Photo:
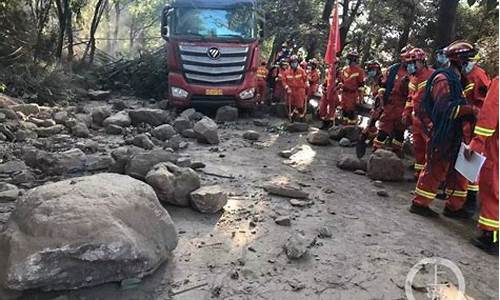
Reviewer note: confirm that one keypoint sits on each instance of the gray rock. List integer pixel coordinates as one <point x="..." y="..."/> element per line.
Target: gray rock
<point x="283" y="221"/>
<point x="99" y="163"/>
<point x="351" y="132"/>
<point x="189" y="133"/>
<point x="80" y="130"/>
<point x="23" y="135"/>
<point x="184" y="162"/>
<point x="85" y="232"/>
<point x="345" y="142"/>
<point x="26" y="109"/>
<point x="181" y="124"/>
<point x="296" y="246"/>
<point x="114" y="129"/>
<point x="121" y="119"/>
<point x="143" y="141"/>
<point x="360" y="172"/>
<point x="164" y="132"/>
<point x="42" y="122"/>
<point x="8" y="192"/>
<point x="122" y="156"/>
<point x="67" y="162"/>
<point x="208" y="199"/>
<point x="49" y="131"/>
<point x="173" y="184"/>
<point x="188" y="114"/>
<point x="261" y="122"/>
<point x="141" y="163"/>
<point x="153" y="117"/>
<point x="88" y="146"/>
<point x="286" y="153"/>
<point x="382" y="193"/>
<point x="176" y="142"/>
<point x="319" y="138"/>
<point x="3" y="117"/>
<point x="98" y="95"/>
<point x="298" y="203"/>
<point x="9" y="113"/>
<point x="84" y="118"/>
<point x="325" y="232"/>
<point x="251" y="135"/>
<point x="285" y="190"/>
<point x="386" y="166"/>
<point x="99" y="114"/>
<point x="207" y="131"/>
<point x="226" y="114"/>
<point x="351" y="163"/>
<point x="16" y="172"/>
<point x="298" y="127"/>
<point x="60" y="117"/>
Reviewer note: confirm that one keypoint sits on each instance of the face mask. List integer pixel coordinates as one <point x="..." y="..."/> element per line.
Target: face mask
<point x="411" y="68"/>
<point x="442" y="59"/>
<point x="468" y="67"/>
<point x="294" y="65"/>
<point x="372" y="73"/>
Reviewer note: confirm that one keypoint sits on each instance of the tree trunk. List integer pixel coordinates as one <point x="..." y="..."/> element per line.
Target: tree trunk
<point x="409" y="20"/>
<point x="131" y="34"/>
<point x="98" y="12"/>
<point x="117" y="28"/>
<point x="42" y="21"/>
<point x="62" y="25"/>
<point x="69" y="31"/>
<point x="446" y="22"/>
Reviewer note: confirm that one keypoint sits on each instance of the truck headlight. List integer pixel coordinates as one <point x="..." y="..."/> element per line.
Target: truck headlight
<point x="247" y="94"/>
<point x="179" y="93"/>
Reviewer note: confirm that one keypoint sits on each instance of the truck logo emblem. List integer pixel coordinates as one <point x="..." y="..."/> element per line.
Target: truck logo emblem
<point x="214" y="53"/>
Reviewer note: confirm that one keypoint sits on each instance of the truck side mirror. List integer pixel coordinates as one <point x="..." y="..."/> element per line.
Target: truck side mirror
<point x="165" y="17"/>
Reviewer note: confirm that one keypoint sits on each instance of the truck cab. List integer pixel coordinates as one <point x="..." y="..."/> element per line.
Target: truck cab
<point x="212" y="52"/>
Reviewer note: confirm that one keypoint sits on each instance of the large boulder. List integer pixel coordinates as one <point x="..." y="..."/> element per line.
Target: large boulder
<point x="164" y="132"/>
<point x="226" y="114"/>
<point x="182" y="123"/>
<point x="208" y="199"/>
<point x="141" y="163"/>
<point x="153" y="117"/>
<point x="99" y="114"/>
<point x="319" y="138"/>
<point x="71" y="161"/>
<point x="8" y="192"/>
<point x="122" y="156"/>
<point x="207" y="131"/>
<point x="351" y="163"/>
<point x="85" y="232"/>
<point x="80" y="130"/>
<point x="297" y="127"/>
<point x="351" y="132"/>
<point x="121" y="119"/>
<point x="16" y="172"/>
<point x="173" y="184"/>
<point x="386" y="166"/>
<point x="143" y="141"/>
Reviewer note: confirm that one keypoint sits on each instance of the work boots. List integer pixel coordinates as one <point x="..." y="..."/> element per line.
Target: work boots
<point x="423" y="211"/>
<point x="457" y="214"/>
<point x="325" y="125"/>
<point x="487" y="241"/>
<point x="470" y="205"/>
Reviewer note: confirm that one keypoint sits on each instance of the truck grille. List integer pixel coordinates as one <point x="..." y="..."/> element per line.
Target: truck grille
<point x="227" y="68"/>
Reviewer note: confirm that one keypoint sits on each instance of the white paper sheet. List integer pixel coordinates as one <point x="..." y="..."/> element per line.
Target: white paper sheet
<point x="470" y="169"/>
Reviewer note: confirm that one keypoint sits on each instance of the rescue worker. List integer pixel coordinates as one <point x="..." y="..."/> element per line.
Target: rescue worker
<point x="395" y="94"/>
<point x="352" y="79"/>
<point x="444" y="110"/>
<point x="329" y="100"/>
<point x="486" y="141"/>
<point x="419" y="73"/>
<point x="374" y="79"/>
<point x="313" y="76"/>
<point x="475" y="92"/>
<point x="279" y="88"/>
<point x="262" y="74"/>
<point x="284" y="53"/>
<point x="295" y="83"/>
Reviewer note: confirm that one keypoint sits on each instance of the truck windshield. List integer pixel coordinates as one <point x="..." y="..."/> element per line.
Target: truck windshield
<point x="235" y="22"/>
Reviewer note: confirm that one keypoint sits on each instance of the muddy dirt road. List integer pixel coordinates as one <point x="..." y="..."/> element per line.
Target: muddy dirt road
<point x="239" y="254"/>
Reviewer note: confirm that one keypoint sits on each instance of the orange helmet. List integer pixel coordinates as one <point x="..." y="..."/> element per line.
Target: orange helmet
<point x="372" y="64"/>
<point x="460" y="51"/>
<point x="403" y="55"/>
<point x="416" y="54"/>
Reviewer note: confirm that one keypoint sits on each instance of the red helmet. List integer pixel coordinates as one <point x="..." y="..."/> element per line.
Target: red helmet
<point x="353" y="54"/>
<point x="372" y="64"/>
<point x="460" y="51"/>
<point x="416" y="54"/>
<point x="403" y="55"/>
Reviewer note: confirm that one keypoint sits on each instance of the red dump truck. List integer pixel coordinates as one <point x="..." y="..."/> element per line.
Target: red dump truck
<point x="212" y="52"/>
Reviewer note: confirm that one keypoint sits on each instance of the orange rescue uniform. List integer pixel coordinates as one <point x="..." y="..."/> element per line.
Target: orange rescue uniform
<point x="313" y="76"/>
<point x="352" y="78"/>
<point x="486" y="141"/>
<point x="296" y="84"/>
<point x="262" y="73"/>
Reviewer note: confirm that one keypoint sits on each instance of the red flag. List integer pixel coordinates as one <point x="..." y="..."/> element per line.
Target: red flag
<point x="331" y="56"/>
<point x="334" y="37"/>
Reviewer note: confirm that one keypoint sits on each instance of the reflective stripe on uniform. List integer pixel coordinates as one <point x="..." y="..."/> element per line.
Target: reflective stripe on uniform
<point x="483" y="131"/>
<point x="354" y="75"/>
<point x="455" y="193"/>
<point x="495" y="236"/>
<point x="473" y="188"/>
<point x="412" y="87"/>
<point x="455" y="112"/>
<point x="469" y="87"/>
<point x="425" y="194"/>
<point x="422" y="85"/>
<point x="397" y="143"/>
<point x="488" y="222"/>
<point x="419" y="167"/>
<point x="381" y="90"/>
<point x="408" y="104"/>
